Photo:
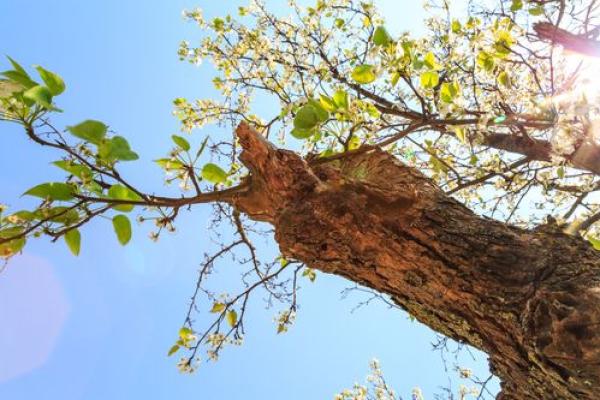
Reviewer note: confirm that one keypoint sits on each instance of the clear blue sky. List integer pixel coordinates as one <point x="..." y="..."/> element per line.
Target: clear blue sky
<point x="99" y="326"/>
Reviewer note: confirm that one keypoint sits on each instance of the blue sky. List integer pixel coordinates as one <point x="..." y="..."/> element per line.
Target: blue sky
<point x="99" y="326"/>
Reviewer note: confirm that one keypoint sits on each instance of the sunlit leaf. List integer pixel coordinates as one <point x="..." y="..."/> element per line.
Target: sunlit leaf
<point x="120" y="192"/>
<point x="91" y="131"/>
<point x="381" y="37"/>
<point x="122" y="227"/>
<point x="52" y="191"/>
<point x="214" y="174"/>
<point x="181" y="142"/>
<point x="53" y="82"/>
<point x="73" y="240"/>
<point x="364" y="74"/>
<point x="232" y="317"/>
<point x="429" y="79"/>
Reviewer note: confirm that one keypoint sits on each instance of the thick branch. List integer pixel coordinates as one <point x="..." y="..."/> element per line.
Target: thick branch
<point x="530" y="299"/>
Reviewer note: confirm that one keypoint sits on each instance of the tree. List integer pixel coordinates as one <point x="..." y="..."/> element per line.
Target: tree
<point x="455" y="173"/>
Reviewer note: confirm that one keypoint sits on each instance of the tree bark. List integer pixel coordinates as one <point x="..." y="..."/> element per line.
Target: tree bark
<point x="530" y="299"/>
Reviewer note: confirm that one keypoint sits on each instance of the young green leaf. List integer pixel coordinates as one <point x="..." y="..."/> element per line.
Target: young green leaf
<point x="213" y="173"/>
<point x="116" y="148"/>
<point x="17" y="66"/>
<point x="306" y="117"/>
<point x="73" y="240"/>
<point x="185" y="334"/>
<point x="174" y="349"/>
<point x="181" y="142"/>
<point x="381" y="37"/>
<point x="40" y="95"/>
<point x="430" y="61"/>
<point x="232" y="318"/>
<point x="217" y="307"/>
<point x="120" y="192"/>
<point x="364" y="74"/>
<point x="90" y="130"/>
<point x="122" y="227"/>
<point x="202" y="147"/>
<point x="80" y="171"/>
<point x="504" y="79"/>
<point x="429" y="79"/>
<point x="449" y="91"/>
<point x="302" y="134"/>
<point x="340" y="97"/>
<point x="322" y="113"/>
<point x="595" y="242"/>
<point x="11" y="247"/>
<point x="327" y="103"/>
<point x="53" y="82"/>
<point x="52" y="191"/>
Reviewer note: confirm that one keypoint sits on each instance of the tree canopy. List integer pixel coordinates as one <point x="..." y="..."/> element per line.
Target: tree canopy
<point x="495" y="105"/>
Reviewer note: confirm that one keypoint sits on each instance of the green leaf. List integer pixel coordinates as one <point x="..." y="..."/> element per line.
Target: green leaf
<point x="395" y="78"/>
<point x="40" y="95"/>
<point x="120" y="192"/>
<point x="310" y="274"/>
<point x="53" y="82"/>
<point x="485" y="61"/>
<point x="73" y="240"/>
<point x="560" y="172"/>
<point x="52" y="191"/>
<point x="80" y="171"/>
<point x="449" y="91"/>
<point x="536" y="11"/>
<point x="327" y="103"/>
<point x="516" y="5"/>
<point x="62" y="215"/>
<point x="17" y="66"/>
<point x="504" y="79"/>
<point x="169" y="164"/>
<point x="185" y="334"/>
<point x="430" y="61"/>
<point x="322" y="113"/>
<point x="202" y="147"/>
<point x="217" y="307"/>
<point x="116" y="148"/>
<point x="19" y="78"/>
<point x="214" y="174"/>
<point x="381" y="37"/>
<point x="181" y="142"/>
<point x="340" y="97"/>
<point x="302" y="134"/>
<point x="122" y="227"/>
<point x="14" y="246"/>
<point x="364" y="74"/>
<point x="461" y="134"/>
<point x="90" y="130"/>
<point x="20" y="216"/>
<point x="174" y="349"/>
<point x="429" y="79"/>
<point x="339" y="22"/>
<point x="456" y="26"/>
<point x="232" y="318"/>
<point x="307" y="117"/>
<point x="19" y="75"/>
<point x="595" y="242"/>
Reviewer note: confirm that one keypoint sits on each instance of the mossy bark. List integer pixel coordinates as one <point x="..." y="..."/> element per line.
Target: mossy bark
<point x="530" y="299"/>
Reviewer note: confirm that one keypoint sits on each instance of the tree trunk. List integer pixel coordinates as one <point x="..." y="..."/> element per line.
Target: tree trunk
<point x="530" y="299"/>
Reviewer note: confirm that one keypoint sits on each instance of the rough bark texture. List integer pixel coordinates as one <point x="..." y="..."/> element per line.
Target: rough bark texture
<point x="529" y="299"/>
